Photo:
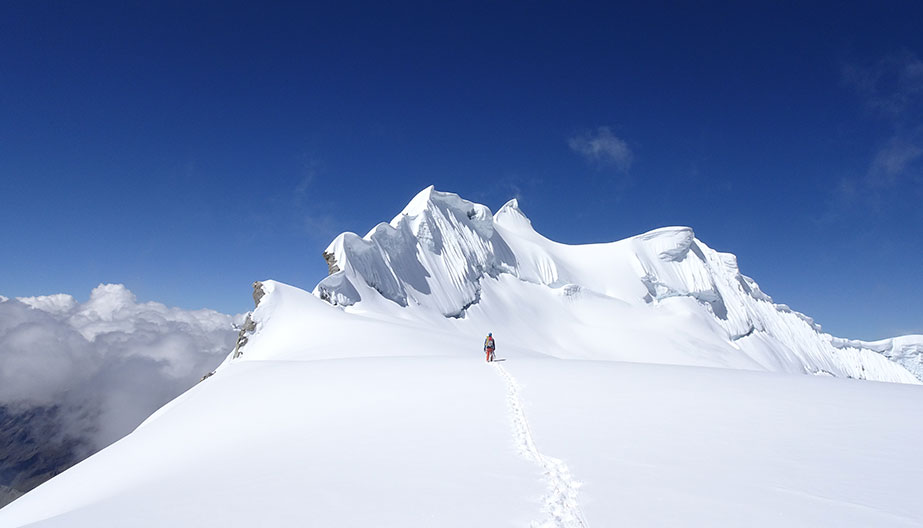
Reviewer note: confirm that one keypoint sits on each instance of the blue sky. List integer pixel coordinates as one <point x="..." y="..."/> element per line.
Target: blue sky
<point x="188" y="149"/>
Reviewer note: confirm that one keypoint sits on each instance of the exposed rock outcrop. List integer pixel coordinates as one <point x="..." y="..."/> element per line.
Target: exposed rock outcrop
<point x="331" y="263"/>
<point x="258" y="293"/>
<point x="249" y="325"/>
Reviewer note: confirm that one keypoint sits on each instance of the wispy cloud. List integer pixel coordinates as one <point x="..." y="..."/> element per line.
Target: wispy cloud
<point x="894" y="160"/>
<point x="313" y="211"/>
<point x="891" y="86"/>
<point x="602" y="149"/>
<point x="309" y="167"/>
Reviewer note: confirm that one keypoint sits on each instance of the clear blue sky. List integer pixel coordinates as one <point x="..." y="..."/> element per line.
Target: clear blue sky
<point x="187" y="149"/>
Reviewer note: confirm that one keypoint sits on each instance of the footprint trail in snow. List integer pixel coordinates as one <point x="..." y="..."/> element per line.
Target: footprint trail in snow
<point x="560" y="502"/>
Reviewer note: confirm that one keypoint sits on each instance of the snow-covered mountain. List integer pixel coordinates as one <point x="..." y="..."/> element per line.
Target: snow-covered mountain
<point x="367" y="402"/>
<point x="442" y="255"/>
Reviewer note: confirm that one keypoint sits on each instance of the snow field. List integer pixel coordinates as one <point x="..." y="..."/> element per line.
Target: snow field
<point x="444" y="441"/>
<point x="658" y="445"/>
<point x="354" y="442"/>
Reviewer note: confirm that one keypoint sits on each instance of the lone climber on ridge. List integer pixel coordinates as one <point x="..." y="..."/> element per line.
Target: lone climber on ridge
<point x="489" y="346"/>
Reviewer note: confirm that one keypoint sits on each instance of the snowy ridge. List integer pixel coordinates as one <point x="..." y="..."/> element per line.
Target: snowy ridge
<point x="445" y="257"/>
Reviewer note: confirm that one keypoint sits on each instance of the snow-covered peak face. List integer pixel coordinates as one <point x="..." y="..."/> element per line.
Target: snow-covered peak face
<point x="669" y="243"/>
<point x="435" y="254"/>
<point x="430" y="202"/>
<point x="450" y="263"/>
<point x="417" y="205"/>
<point x="437" y="251"/>
<point x="431" y="255"/>
<point x="511" y="217"/>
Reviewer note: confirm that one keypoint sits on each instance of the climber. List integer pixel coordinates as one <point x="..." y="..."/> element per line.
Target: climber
<point x="489" y="346"/>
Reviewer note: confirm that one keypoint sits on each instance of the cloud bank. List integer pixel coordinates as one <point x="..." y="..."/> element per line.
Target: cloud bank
<point x="107" y="363"/>
<point x="602" y="149"/>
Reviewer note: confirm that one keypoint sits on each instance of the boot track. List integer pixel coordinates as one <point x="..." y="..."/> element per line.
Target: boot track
<point x="560" y="501"/>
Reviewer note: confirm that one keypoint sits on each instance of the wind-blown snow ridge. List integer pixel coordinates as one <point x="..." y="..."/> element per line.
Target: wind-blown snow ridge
<point x="560" y="504"/>
<point x="683" y="302"/>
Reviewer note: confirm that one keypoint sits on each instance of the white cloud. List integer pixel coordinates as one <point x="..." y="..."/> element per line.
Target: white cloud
<point x="58" y="303"/>
<point x="111" y="360"/>
<point x="602" y="149"/>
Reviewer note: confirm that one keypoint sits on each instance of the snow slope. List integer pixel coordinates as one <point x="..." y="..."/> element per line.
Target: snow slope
<point x="417" y="441"/>
<point x="368" y="403"/>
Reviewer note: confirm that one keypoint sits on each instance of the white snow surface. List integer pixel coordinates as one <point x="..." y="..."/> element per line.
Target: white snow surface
<point x="368" y="401"/>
